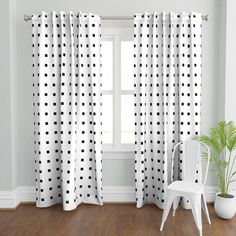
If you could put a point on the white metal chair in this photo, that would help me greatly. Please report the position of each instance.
(188, 188)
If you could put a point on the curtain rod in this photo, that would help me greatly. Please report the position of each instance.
(29, 18)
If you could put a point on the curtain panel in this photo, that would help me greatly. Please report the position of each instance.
(167, 75)
(67, 108)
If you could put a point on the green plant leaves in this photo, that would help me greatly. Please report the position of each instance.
(234, 173)
(220, 139)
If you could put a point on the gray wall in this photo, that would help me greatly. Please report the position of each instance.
(17, 151)
(5, 101)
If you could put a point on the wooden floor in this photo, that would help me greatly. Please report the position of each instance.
(107, 220)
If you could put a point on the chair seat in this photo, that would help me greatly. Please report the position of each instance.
(185, 187)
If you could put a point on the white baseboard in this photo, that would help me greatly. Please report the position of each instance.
(7, 199)
(210, 193)
(118, 194)
(11, 199)
(25, 194)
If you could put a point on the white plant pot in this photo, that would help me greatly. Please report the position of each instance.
(225, 207)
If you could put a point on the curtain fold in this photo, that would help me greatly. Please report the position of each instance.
(167, 74)
(67, 108)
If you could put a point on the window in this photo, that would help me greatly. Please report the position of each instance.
(117, 89)
(107, 90)
(127, 91)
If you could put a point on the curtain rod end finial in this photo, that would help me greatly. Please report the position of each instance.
(27, 18)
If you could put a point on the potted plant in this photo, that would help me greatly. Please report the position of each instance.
(222, 141)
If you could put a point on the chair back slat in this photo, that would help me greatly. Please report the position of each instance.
(190, 153)
(191, 156)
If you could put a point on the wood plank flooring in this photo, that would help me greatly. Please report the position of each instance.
(107, 220)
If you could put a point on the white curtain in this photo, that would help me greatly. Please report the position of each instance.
(168, 73)
(67, 108)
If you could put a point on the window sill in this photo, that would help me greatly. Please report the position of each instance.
(122, 148)
(117, 151)
(118, 155)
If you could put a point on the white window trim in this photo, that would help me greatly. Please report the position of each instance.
(117, 35)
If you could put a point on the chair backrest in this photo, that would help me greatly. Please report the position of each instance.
(191, 154)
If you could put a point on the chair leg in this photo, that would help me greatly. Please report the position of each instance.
(169, 202)
(175, 205)
(196, 210)
(205, 209)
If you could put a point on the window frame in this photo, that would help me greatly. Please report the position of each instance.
(116, 35)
